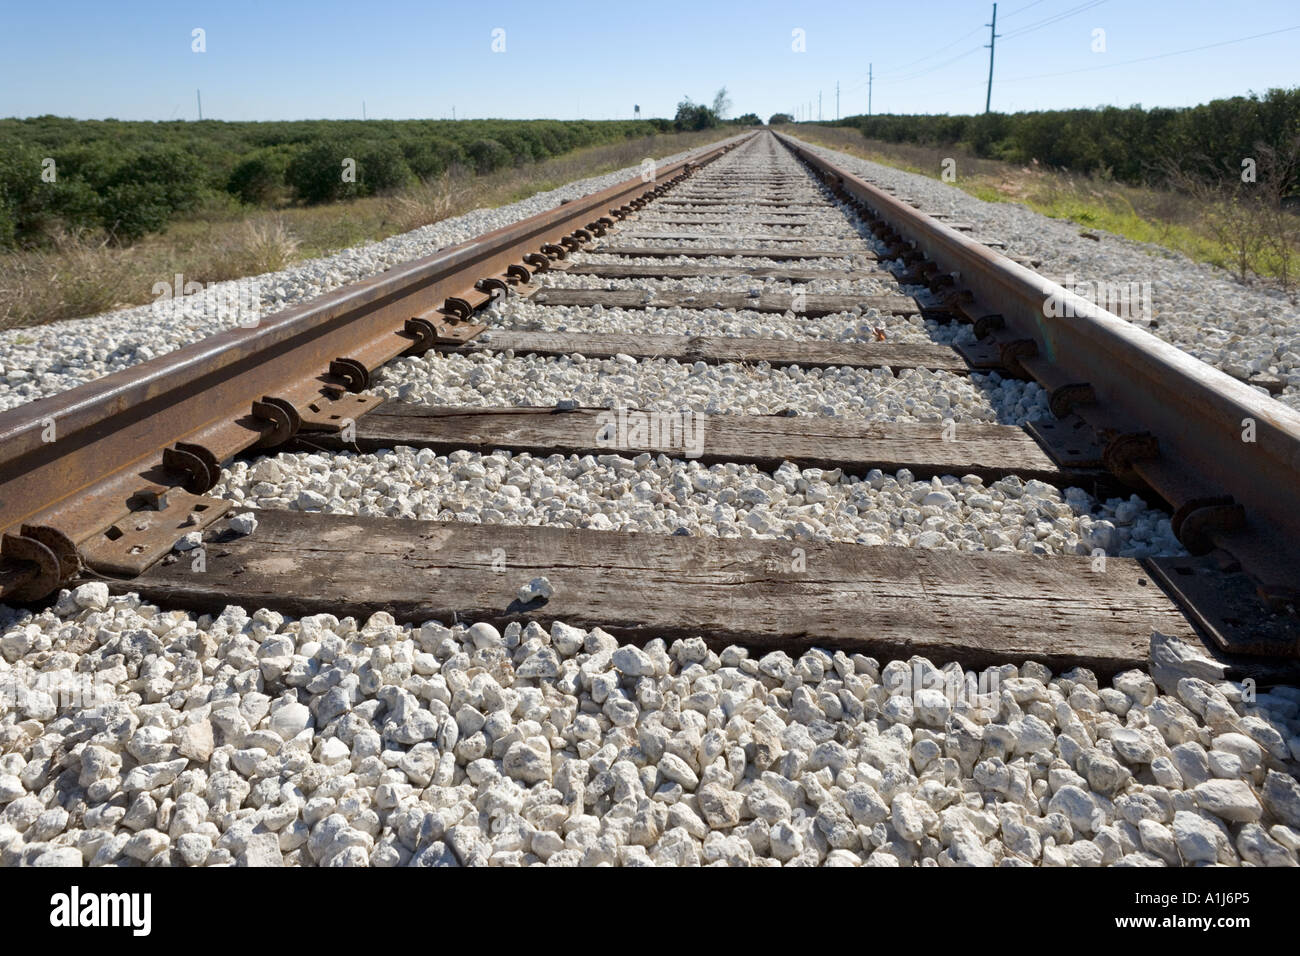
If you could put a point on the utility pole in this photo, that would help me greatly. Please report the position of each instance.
(819, 106)
(993, 38)
(198, 95)
(869, 80)
(837, 100)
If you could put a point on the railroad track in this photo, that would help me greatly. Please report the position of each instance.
(774, 232)
(756, 400)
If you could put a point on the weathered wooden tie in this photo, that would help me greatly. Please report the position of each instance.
(617, 270)
(750, 252)
(976, 608)
(731, 237)
(765, 441)
(715, 349)
(811, 305)
(679, 221)
(746, 203)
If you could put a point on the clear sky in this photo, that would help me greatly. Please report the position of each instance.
(292, 59)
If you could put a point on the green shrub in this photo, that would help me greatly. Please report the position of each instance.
(23, 203)
(178, 168)
(422, 160)
(172, 176)
(1134, 145)
(129, 211)
(316, 173)
(694, 116)
(381, 168)
(75, 203)
(487, 155)
(8, 224)
(257, 179)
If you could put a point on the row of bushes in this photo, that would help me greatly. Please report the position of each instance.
(692, 117)
(132, 178)
(1134, 145)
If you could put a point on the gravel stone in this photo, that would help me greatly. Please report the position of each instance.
(254, 738)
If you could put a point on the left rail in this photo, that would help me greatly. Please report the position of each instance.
(107, 475)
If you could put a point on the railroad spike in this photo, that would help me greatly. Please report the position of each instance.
(352, 372)
(283, 417)
(458, 307)
(1010, 353)
(45, 575)
(986, 325)
(1123, 451)
(191, 462)
(1197, 521)
(1064, 398)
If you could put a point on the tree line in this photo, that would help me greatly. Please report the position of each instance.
(1134, 145)
(130, 179)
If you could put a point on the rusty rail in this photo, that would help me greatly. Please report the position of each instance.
(107, 474)
(1162, 418)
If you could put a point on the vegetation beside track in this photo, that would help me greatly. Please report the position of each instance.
(76, 272)
(1255, 236)
(1135, 146)
(130, 179)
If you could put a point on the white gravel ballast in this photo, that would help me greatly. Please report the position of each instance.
(266, 741)
(1198, 307)
(672, 496)
(135, 736)
(43, 360)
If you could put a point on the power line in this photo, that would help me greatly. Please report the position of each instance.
(928, 56)
(1008, 16)
(1021, 9)
(938, 66)
(1057, 18)
(942, 49)
(1158, 56)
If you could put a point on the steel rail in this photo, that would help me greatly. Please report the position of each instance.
(75, 465)
(1164, 418)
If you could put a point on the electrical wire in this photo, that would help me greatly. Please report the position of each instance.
(1049, 21)
(1158, 56)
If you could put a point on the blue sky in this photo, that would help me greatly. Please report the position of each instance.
(289, 59)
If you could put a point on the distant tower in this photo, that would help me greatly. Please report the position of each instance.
(636, 111)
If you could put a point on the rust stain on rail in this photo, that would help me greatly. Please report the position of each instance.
(1167, 420)
(172, 420)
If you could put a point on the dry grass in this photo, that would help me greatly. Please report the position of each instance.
(79, 275)
(428, 202)
(82, 275)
